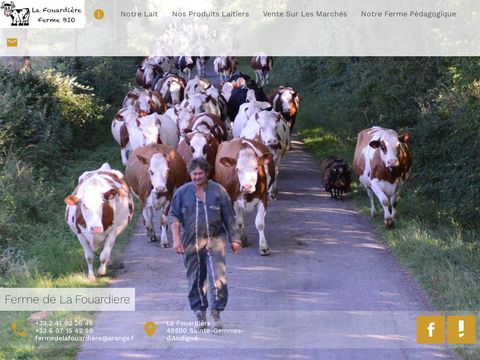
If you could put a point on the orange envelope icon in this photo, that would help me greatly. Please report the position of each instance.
(11, 42)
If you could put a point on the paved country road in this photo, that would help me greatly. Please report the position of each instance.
(329, 290)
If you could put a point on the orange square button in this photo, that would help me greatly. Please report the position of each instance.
(12, 42)
(430, 329)
(461, 329)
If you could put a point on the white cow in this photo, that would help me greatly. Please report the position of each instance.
(122, 121)
(383, 162)
(245, 169)
(270, 129)
(157, 128)
(97, 211)
(197, 85)
(153, 173)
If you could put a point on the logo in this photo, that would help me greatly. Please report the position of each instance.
(430, 329)
(20, 17)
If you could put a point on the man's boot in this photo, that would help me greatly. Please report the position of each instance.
(217, 321)
(201, 319)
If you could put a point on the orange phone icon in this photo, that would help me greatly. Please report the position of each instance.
(13, 325)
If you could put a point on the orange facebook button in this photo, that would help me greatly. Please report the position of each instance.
(430, 329)
(12, 42)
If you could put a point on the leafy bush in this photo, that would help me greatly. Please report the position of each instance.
(44, 115)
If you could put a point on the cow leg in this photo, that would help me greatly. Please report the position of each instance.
(387, 206)
(105, 254)
(373, 211)
(228, 126)
(123, 154)
(88, 256)
(257, 80)
(163, 237)
(273, 191)
(148, 219)
(393, 206)
(239, 217)
(260, 225)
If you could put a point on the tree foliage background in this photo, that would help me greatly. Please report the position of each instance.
(438, 99)
(48, 115)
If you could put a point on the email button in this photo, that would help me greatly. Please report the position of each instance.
(12, 42)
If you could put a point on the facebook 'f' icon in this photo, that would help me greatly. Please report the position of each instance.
(430, 329)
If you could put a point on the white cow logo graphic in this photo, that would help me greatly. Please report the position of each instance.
(19, 17)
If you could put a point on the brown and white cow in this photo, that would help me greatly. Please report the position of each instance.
(382, 162)
(197, 85)
(172, 89)
(132, 132)
(262, 65)
(245, 169)
(269, 128)
(224, 66)
(123, 120)
(208, 123)
(145, 102)
(185, 65)
(97, 211)
(153, 173)
(199, 144)
(286, 101)
(151, 67)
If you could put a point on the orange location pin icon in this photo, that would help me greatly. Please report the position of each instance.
(150, 328)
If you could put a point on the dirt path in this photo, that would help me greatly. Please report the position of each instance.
(329, 290)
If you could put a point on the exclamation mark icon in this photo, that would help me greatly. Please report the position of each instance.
(461, 328)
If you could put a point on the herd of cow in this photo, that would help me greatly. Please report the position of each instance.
(236, 128)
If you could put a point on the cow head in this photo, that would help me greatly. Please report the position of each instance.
(287, 101)
(130, 98)
(247, 167)
(193, 86)
(8, 7)
(143, 103)
(390, 147)
(200, 144)
(93, 199)
(150, 126)
(158, 171)
(176, 89)
(148, 74)
(267, 124)
(184, 115)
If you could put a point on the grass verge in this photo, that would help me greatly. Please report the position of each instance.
(443, 258)
(47, 254)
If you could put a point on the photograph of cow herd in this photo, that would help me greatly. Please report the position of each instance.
(243, 134)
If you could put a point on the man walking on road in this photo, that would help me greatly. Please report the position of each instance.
(203, 208)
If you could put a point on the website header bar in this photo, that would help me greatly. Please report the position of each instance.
(280, 28)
